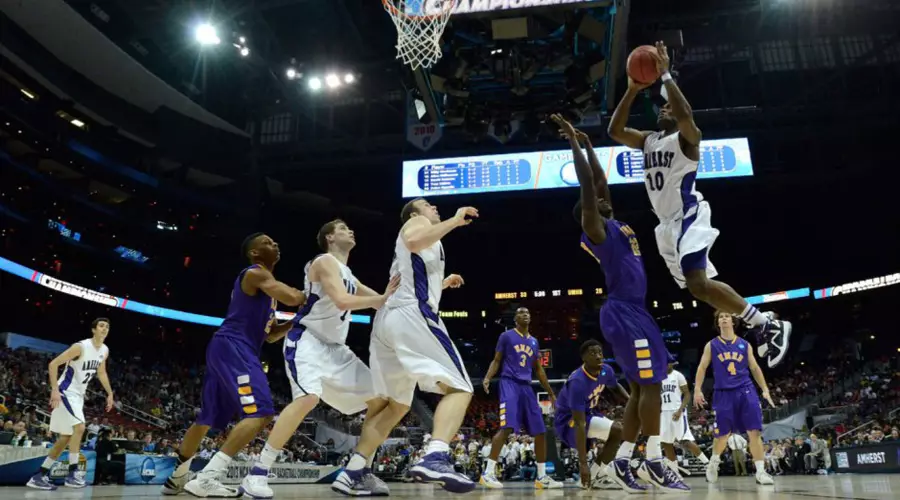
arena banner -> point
(876, 458)
(283, 473)
(148, 469)
(17, 465)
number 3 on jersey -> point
(655, 181)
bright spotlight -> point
(332, 80)
(291, 73)
(349, 78)
(206, 35)
(245, 51)
(242, 40)
(315, 83)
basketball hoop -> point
(420, 24)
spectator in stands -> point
(107, 468)
(20, 434)
(149, 445)
(818, 458)
(799, 457)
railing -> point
(851, 431)
(136, 414)
(773, 414)
(323, 451)
(893, 412)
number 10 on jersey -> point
(655, 180)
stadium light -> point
(332, 80)
(245, 51)
(291, 73)
(206, 35)
(315, 84)
(349, 78)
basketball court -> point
(847, 486)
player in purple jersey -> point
(517, 352)
(627, 325)
(685, 234)
(735, 400)
(576, 419)
(234, 382)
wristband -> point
(666, 77)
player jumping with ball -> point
(685, 233)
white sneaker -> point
(175, 484)
(547, 483)
(671, 464)
(712, 471)
(256, 485)
(490, 481)
(207, 485)
(764, 478)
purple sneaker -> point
(620, 472)
(75, 480)
(656, 472)
(352, 483)
(436, 468)
(40, 482)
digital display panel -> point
(719, 158)
(546, 358)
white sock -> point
(219, 461)
(73, 458)
(184, 468)
(753, 317)
(626, 450)
(654, 449)
(702, 458)
(760, 467)
(491, 468)
(435, 446)
(48, 462)
(268, 456)
(370, 461)
(542, 469)
(356, 462)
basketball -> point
(641, 64)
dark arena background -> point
(142, 140)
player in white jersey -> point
(82, 361)
(673, 423)
(685, 233)
(318, 362)
(410, 346)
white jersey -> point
(421, 275)
(81, 370)
(671, 391)
(324, 319)
(669, 176)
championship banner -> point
(876, 458)
(148, 469)
(280, 473)
(17, 465)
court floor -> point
(846, 486)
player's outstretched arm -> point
(699, 400)
(69, 354)
(759, 377)
(681, 109)
(493, 368)
(278, 331)
(259, 278)
(592, 223)
(618, 129)
(581, 444)
(419, 234)
(104, 381)
(601, 185)
(326, 271)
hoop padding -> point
(420, 24)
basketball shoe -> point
(435, 467)
(209, 484)
(763, 478)
(773, 339)
(75, 479)
(664, 478)
(40, 481)
(256, 484)
(490, 481)
(712, 469)
(351, 483)
(374, 484)
(547, 483)
(620, 472)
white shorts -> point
(599, 428)
(330, 371)
(678, 430)
(68, 414)
(681, 242)
(408, 349)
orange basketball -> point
(641, 64)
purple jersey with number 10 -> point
(519, 352)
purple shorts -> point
(636, 341)
(234, 385)
(737, 411)
(519, 408)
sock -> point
(702, 458)
(45, 467)
(357, 462)
(370, 461)
(218, 462)
(491, 468)
(626, 451)
(267, 457)
(436, 446)
(542, 469)
(73, 460)
(760, 466)
(753, 317)
(654, 451)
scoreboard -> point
(546, 357)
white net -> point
(420, 24)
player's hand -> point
(565, 127)
(487, 386)
(768, 397)
(699, 400)
(55, 398)
(662, 58)
(392, 285)
(636, 86)
(453, 281)
(677, 416)
(585, 472)
(464, 212)
(110, 402)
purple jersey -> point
(582, 391)
(249, 318)
(620, 257)
(730, 366)
(518, 355)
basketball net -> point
(420, 24)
